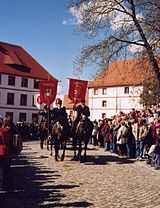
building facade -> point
(19, 81)
(118, 88)
(104, 102)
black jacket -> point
(59, 114)
(82, 110)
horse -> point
(43, 134)
(82, 135)
(58, 139)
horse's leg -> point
(80, 150)
(41, 143)
(63, 149)
(51, 149)
(56, 148)
(85, 150)
(47, 141)
(74, 146)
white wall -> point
(17, 90)
(116, 99)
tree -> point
(121, 25)
(150, 94)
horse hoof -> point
(56, 159)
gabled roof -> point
(124, 73)
(15, 60)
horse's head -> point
(57, 128)
(80, 127)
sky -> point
(45, 29)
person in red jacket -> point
(7, 132)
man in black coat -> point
(80, 110)
(59, 113)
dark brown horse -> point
(43, 134)
(81, 138)
(58, 139)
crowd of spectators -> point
(130, 135)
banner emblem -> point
(48, 91)
(77, 90)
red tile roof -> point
(15, 60)
(124, 72)
(68, 103)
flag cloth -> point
(48, 91)
(37, 101)
(77, 90)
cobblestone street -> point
(103, 181)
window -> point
(9, 115)
(126, 90)
(103, 115)
(35, 117)
(10, 99)
(22, 116)
(11, 80)
(104, 91)
(36, 84)
(95, 91)
(33, 102)
(24, 82)
(23, 100)
(104, 103)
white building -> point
(19, 81)
(118, 88)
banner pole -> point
(48, 119)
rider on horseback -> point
(59, 114)
(81, 129)
(80, 110)
(59, 129)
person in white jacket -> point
(121, 138)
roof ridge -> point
(10, 44)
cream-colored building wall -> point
(29, 109)
(116, 100)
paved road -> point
(103, 181)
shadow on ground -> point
(105, 159)
(35, 188)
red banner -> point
(77, 90)
(48, 91)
